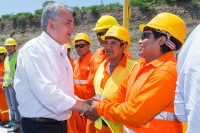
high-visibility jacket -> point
(119, 76)
(128, 55)
(4, 113)
(82, 69)
(82, 91)
(71, 60)
(121, 68)
(146, 104)
(10, 66)
(99, 57)
(77, 123)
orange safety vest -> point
(77, 123)
(97, 59)
(164, 122)
(118, 77)
(146, 103)
(4, 113)
(82, 69)
(100, 56)
(71, 60)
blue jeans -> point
(12, 104)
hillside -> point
(85, 21)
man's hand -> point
(92, 112)
(81, 106)
(91, 100)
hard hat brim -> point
(73, 42)
(141, 27)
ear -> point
(51, 24)
(124, 46)
(162, 40)
(88, 46)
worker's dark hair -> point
(115, 38)
(165, 48)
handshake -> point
(87, 108)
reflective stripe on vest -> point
(8, 72)
(168, 116)
(9, 65)
(78, 81)
(100, 96)
(1, 78)
(120, 75)
(5, 111)
(128, 130)
(9, 80)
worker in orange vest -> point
(146, 103)
(82, 43)
(103, 24)
(71, 60)
(4, 112)
(109, 75)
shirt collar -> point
(53, 45)
(159, 61)
(121, 63)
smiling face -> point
(61, 28)
(114, 49)
(149, 46)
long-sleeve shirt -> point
(187, 101)
(150, 90)
(87, 91)
(82, 69)
(44, 80)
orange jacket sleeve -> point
(153, 97)
(84, 91)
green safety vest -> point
(119, 75)
(9, 70)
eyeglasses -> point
(145, 35)
(80, 45)
(2, 54)
(101, 33)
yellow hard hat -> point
(169, 22)
(105, 22)
(120, 33)
(3, 50)
(81, 36)
(68, 45)
(10, 41)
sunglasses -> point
(145, 35)
(80, 45)
(101, 33)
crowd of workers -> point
(47, 91)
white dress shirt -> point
(187, 99)
(44, 80)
